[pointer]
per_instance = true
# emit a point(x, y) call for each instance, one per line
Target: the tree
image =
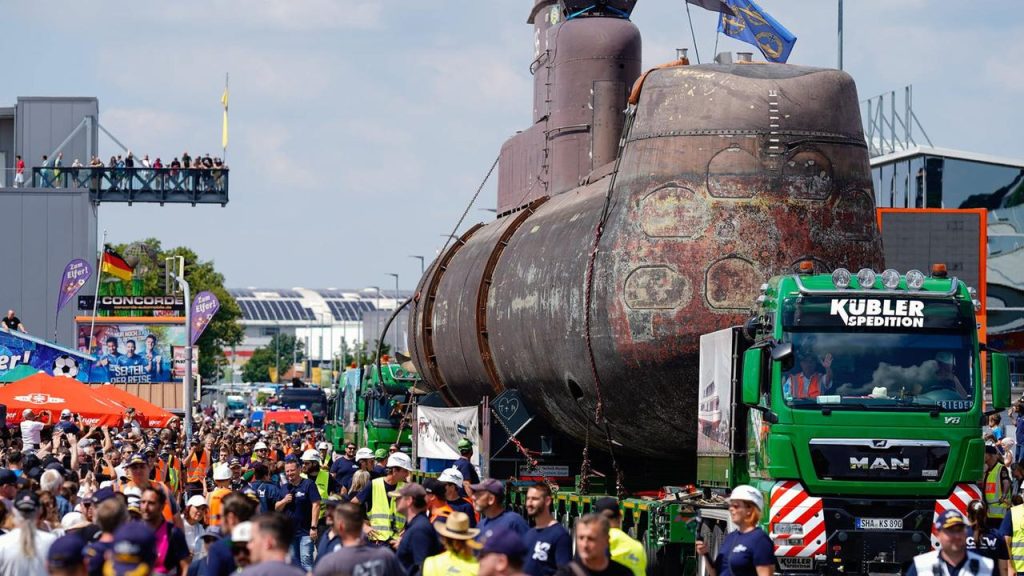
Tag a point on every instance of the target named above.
point(278, 353)
point(224, 330)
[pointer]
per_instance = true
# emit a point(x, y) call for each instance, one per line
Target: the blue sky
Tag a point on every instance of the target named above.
point(360, 129)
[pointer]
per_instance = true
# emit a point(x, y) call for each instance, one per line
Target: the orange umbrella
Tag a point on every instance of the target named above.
point(47, 395)
point(153, 416)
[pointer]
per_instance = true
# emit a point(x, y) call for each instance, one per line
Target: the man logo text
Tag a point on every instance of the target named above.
point(879, 464)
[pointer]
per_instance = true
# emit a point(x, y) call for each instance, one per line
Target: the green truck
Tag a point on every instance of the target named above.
point(368, 407)
point(854, 403)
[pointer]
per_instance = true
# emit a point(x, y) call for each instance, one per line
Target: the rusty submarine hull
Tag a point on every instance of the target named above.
point(621, 237)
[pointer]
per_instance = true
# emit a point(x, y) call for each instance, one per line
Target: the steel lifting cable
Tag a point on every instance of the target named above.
point(533, 462)
point(470, 205)
point(589, 282)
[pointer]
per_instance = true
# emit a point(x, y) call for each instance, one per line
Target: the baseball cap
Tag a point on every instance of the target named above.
point(211, 532)
point(990, 449)
point(504, 541)
point(196, 500)
point(608, 504)
point(490, 485)
point(748, 494)
point(105, 493)
point(137, 459)
point(451, 475)
point(380, 453)
point(26, 501)
point(465, 444)
point(414, 490)
point(7, 477)
point(310, 456)
point(949, 519)
point(323, 446)
point(66, 552)
point(134, 545)
point(400, 460)
point(433, 486)
point(234, 462)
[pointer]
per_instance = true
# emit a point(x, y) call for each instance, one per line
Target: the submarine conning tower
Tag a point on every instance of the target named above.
point(623, 237)
point(584, 65)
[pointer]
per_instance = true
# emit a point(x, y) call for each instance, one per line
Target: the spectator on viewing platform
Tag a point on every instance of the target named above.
point(12, 322)
point(19, 171)
point(186, 160)
point(57, 163)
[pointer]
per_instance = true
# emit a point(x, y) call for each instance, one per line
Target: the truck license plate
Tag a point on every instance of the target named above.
point(879, 523)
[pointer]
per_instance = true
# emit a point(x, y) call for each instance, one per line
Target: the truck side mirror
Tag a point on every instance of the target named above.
point(1000, 381)
point(753, 364)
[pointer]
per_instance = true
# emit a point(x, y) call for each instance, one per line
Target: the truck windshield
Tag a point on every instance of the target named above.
point(883, 370)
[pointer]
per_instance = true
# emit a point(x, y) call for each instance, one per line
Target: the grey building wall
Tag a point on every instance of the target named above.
point(43, 230)
point(42, 123)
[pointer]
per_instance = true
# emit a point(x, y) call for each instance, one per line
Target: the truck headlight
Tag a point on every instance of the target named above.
point(841, 278)
point(891, 279)
point(915, 279)
point(866, 278)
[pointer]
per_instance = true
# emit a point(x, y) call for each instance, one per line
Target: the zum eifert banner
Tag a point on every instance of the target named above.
point(438, 431)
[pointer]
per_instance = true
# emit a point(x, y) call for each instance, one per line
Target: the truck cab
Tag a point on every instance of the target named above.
point(863, 398)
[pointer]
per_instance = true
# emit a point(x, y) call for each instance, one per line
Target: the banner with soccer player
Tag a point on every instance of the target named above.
point(133, 353)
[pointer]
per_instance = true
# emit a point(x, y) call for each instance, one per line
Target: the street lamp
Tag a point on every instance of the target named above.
point(376, 312)
point(422, 262)
point(395, 349)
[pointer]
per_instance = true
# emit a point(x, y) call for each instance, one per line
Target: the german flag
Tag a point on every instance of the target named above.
point(115, 265)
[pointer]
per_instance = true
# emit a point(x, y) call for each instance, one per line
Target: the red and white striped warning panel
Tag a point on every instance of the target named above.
point(958, 500)
point(796, 521)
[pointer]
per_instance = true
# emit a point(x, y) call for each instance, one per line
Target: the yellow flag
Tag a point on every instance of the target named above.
point(224, 129)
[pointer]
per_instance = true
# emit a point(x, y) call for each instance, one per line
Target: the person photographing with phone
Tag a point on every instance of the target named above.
point(302, 504)
point(748, 551)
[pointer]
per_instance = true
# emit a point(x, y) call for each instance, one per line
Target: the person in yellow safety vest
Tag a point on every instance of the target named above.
point(222, 478)
point(1012, 530)
point(385, 521)
point(457, 559)
point(324, 448)
point(312, 470)
point(623, 549)
point(997, 487)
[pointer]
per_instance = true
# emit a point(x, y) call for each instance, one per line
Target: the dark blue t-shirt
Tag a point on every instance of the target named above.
point(468, 471)
point(342, 469)
point(508, 520)
point(268, 494)
point(546, 550)
point(1020, 430)
point(466, 506)
point(742, 552)
point(990, 544)
point(419, 541)
point(94, 553)
point(300, 509)
point(219, 560)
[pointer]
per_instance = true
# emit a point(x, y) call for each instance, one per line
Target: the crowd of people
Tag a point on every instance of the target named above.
point(205, 172)
point(77, 500)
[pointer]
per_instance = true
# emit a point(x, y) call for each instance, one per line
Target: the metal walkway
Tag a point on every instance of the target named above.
point(152, 185)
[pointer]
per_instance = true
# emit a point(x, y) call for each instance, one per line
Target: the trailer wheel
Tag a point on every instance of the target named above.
point(713, 534)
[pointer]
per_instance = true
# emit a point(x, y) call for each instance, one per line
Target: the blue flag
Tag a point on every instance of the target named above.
point(753, 25)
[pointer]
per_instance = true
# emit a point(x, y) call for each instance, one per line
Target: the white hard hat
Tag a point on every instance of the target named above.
point(242, 532)
point(196, 500)
point(221, 472)
point(323, 446)
point(261, 445)
point(451, 475)
point(73, 520)
point(748, 494)
point(65, 413)
point(310, 456)
point(400, 460)
point(364, 454)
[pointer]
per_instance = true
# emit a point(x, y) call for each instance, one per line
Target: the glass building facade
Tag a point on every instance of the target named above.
point(940, 178)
